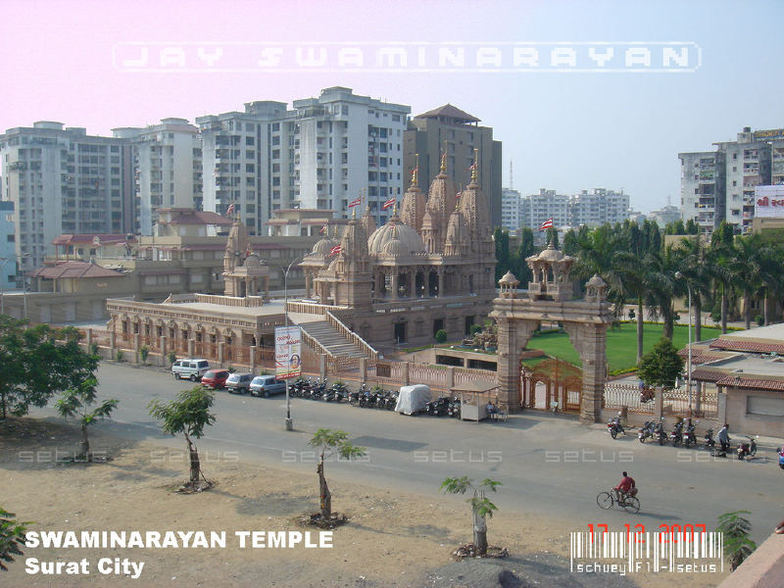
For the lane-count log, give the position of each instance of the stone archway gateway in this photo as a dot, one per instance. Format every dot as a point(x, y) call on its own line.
point(551, 299)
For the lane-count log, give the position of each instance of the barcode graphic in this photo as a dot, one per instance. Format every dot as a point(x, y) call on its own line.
point(660, 551)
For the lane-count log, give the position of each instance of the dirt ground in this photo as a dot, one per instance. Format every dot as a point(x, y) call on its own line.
point(392, 539)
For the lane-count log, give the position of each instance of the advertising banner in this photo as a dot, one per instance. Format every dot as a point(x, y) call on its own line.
point(769, 201)
point(288, 352)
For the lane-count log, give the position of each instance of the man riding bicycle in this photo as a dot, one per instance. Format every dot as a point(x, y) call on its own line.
point(626, 487)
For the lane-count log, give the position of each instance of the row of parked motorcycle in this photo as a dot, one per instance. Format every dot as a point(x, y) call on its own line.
point(318, 389)
point(655, 431)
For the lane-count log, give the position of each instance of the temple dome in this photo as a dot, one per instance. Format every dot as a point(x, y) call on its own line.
point(410, 241)
point(324, 246)
point(394, 247)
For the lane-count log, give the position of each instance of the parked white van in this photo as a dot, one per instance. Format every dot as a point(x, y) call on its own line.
point(190, 369)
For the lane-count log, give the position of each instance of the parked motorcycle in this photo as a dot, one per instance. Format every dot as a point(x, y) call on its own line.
point(614, 427)
point(660, 433)
point(676, 436)
point(437, 407)
point(747, 450)
point(689, 438)
point(646, 431)
point(710, 442)
point(453, 408)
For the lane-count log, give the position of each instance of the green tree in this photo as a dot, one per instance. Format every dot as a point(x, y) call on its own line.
point(329, 442)
point(440, 336)
point(144, 352)
point(552, 237)
point(736, 529)
point(720, 259)
point(501, 239)
point(38, 362)
point(692, 228)
point(525, 250)
point(78, 402)
point(188, 414)
point(12, 538)
point(661, 365)
point(481, 506)
point(692, 262)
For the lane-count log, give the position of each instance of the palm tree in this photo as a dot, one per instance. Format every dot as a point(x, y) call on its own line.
point(597, 251)
point(746, 265)
point(772, 277)
point(692, 254)
point(720, 254)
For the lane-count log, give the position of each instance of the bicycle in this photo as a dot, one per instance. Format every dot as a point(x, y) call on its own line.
point(605, 500)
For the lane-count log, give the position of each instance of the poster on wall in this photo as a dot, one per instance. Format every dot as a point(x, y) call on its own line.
point(769, 201)
point(288, 352)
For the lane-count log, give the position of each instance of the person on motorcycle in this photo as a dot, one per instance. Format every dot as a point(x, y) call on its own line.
point(626, 486)
point(617, 422)
point(724, 438)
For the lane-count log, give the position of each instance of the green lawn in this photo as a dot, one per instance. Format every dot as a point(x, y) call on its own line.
point(621, 343)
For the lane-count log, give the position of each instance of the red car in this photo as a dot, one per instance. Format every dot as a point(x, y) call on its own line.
point(215, 379)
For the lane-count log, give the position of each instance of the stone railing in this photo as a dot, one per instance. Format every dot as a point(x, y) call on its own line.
point(351, 335)
point(244, 301)
point(310, 307)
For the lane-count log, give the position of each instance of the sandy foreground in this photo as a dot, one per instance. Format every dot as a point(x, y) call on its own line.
point(392, 539)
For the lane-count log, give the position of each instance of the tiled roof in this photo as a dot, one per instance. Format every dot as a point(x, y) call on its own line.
point(738, 344)
point(757, 383)
point(75, 269)
point(708, 374)
point(90, 238)
point(449, 111)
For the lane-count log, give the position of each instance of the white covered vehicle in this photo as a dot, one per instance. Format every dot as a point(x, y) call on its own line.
point(412, 399)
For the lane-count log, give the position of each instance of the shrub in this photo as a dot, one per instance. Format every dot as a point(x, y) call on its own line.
point(144, 352)
point(171, 356)
point(94, 348)
point(441, 336)
point(760, 320)
point(474, 329)
point(119, 355)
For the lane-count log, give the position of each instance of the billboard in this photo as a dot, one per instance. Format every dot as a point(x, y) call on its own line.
point(288, 352)
point(769, 201)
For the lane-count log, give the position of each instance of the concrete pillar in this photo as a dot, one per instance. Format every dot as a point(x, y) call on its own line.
point(307, 284)
point(450, 377)
point(721, 400)
point(164, 351)
point(658, 403)
point(395, 284)
point(698, 400)
point(191, 345)
point(221, 346)
point(441, 283)
point(323, 365)
point(137, 341)
point(406, 380)
point(362, 369)
point(508, 371)
point(89, 339)
point(113, 341)
point(252, 357)
point(592, 353)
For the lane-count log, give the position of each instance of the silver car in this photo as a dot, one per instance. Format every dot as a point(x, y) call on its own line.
point(266, 386)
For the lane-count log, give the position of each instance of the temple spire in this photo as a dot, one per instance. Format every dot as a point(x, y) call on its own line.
point(475, 167)
point(415, 174)
point(443, 159)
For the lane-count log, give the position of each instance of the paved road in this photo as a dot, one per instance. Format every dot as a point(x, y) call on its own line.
point(549, 464)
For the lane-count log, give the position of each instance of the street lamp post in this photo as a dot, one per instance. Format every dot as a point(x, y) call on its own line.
point(289, 422)
point(24, 281)
point(680, 276)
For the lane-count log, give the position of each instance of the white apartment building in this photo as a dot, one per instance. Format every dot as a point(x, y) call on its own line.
point(537, 208)
point(62, 180)
point(511, 209)
point(719, 185)
point(597, 207)
point(167, 160)
point(321, 155)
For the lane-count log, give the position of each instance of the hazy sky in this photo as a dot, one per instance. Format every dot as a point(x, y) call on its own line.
point(566, 131)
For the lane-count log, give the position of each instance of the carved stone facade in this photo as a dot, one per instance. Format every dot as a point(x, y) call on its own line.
point(428, 268)
point(550, 300)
